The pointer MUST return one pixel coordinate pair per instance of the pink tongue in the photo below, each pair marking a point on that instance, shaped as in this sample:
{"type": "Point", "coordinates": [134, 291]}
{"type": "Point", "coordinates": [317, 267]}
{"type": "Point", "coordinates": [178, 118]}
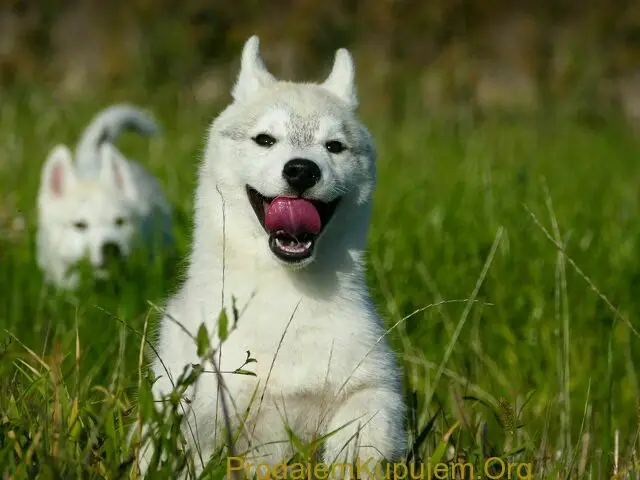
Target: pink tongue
{"type": "Point", "coordinates": [293, 215]}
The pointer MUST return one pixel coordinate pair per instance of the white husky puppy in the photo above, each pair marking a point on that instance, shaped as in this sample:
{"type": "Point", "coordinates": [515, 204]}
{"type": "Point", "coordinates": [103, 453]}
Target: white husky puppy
{"type": "Point", "coordinates": [282, 214]}
{"type": "Point", "coordinates": [95, 207]}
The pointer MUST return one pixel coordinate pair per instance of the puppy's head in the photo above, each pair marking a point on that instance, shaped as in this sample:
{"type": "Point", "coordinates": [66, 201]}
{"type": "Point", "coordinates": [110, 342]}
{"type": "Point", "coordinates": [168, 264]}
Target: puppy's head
{"type": "Point", "coordinates": [86, 218]}
{"type": "Point", "coordinates": [292, 161]}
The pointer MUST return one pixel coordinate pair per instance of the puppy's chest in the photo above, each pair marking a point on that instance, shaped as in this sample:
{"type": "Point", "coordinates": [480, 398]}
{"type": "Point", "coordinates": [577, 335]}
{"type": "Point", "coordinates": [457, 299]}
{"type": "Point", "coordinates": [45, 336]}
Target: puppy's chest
{"type": "Point", "coordinates": [315, 351]}
{"type": "Point", "coordinates": [306, 369]}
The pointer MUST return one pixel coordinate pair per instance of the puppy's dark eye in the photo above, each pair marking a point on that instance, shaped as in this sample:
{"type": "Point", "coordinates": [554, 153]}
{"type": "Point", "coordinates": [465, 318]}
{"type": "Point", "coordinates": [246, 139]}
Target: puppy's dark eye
{"type": "Point", "coordinates": [264, 140]}
{"type": "Point", "coordinates": [119, 221]}
{"type": "Point", "coordinates": [334, 146]}
{"type": "Point", "coordinates": [80, 225]}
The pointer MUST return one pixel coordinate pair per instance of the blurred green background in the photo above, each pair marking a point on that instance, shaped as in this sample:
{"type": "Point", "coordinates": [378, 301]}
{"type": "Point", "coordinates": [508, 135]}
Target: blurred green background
{"type": "Point", "coordinates": [488, 117]}
{"type": "Point", "coordinates": [438, 56]}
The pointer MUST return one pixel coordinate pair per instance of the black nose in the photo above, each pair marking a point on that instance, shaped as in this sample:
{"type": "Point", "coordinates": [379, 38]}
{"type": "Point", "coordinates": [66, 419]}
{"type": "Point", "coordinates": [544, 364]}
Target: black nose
{"type": "Point", "coordinates": [110, 251]}
{"type": "Point", "coordinates": [301, 174]}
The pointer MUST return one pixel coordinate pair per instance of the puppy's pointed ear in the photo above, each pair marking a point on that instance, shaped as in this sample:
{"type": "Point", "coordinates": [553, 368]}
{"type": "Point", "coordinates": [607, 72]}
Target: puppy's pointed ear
{"type": "Point", "coordinates": [341, 80]}
{"type": "Point", "coordinates": [116, 171]}
{"type": "Point", "coordinates": [253, 74]}
{"type": "Point", "coordinates": [58, 175]}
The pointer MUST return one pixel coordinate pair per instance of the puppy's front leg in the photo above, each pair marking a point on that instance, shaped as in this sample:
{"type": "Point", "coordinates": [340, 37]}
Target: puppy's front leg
{"type": "Point", "coordinates": [373, 430]}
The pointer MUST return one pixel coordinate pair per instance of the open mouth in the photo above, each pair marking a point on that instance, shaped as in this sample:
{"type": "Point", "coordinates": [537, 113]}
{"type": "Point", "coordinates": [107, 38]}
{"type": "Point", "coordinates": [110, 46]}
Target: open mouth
{"type": "Point", "coordinates": [293, 223]}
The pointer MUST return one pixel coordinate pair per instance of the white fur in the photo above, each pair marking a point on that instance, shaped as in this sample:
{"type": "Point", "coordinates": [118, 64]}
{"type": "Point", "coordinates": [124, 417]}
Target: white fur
{"type": "Point", "coordinates": [106, 127]}
{"type": "Point", "coordinates": [334, 331]}
{"type": "Point", "coordinates": [102, 198]}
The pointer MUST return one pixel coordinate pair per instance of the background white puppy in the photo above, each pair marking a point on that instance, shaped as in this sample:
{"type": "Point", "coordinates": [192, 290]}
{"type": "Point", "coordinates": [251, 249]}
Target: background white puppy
{"type": "Point", "coordinates": [95, 207]}
{"type": "Point", "coordinates": [282, 215]}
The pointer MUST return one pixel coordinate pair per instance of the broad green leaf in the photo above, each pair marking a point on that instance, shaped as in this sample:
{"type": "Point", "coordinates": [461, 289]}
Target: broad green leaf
{"type": "Point", "coordinates": [223, 325]}
{"type": "Point", "coordinates": [202, 340]}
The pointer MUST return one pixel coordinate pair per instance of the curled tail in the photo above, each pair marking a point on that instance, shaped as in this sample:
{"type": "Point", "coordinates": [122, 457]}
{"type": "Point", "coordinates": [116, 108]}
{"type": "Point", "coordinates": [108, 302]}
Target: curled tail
{"type": "Point", "coordinates": [107, 126]}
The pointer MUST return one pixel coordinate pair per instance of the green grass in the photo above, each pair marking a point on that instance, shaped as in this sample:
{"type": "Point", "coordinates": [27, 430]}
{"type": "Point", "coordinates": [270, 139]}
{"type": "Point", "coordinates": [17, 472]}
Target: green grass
{"type": "Point", "coordinates": [517, 342]}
